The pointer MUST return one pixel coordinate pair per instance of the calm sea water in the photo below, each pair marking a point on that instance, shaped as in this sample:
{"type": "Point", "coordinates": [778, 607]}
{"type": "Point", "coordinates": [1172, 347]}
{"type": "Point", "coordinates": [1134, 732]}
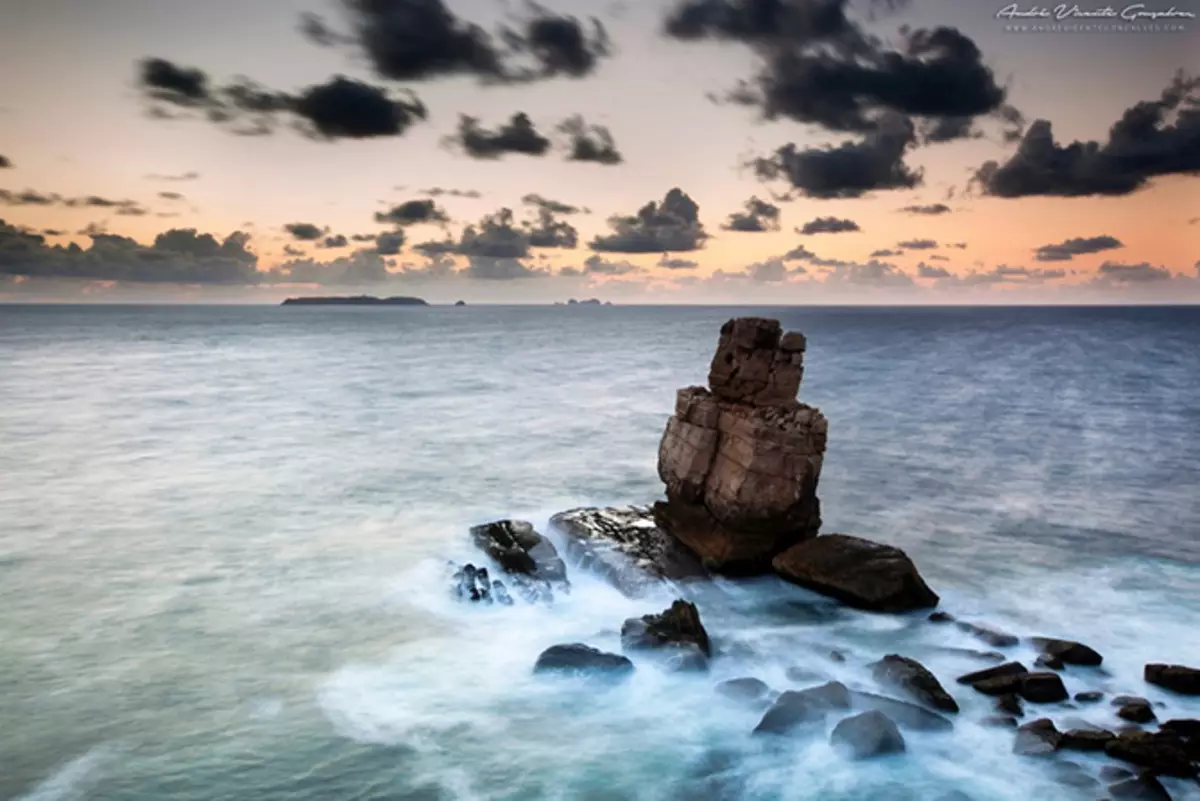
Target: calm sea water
{"type": "Point", "coordinates": [223, 534]}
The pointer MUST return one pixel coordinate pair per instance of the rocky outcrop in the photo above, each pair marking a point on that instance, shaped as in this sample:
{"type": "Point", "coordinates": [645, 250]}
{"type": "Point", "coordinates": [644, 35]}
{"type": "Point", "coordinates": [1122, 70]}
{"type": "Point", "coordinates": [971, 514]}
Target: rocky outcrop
{"type": "Point", "coordinates": [526, 555]}
{"type": "Point", "coordinates": [1176, 678]}
{"type": "Point", "coordinates": [866, 735]}
{"type": "Point", "coordinates": [676, 633]}
{"type": "Point", "coordinates": [741, 459]}
{"type": "Point", "coordinates": [577, 658]}
{"type": "Point", "coordinates": [626, 546]}
{"type": "Point", "coordinates": [857, 572]}
{"type": "Point", "coordinates": [915, 680]}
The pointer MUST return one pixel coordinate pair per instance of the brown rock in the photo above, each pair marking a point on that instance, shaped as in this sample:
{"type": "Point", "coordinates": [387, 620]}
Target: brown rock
{"type": "Point", "coordinates": [914, 679]}
{"type": "Point", "coordinates": [741, 462]}
{"type": "Point", "coordinates": [1010, 703]}
{"type": "Point", "coordinates": [858, 572]}
{"type": "Point", "coordinates": [1161, 752]}
{"type": "Point", "coordinates": [999, 671]}
{"type": "Point", "coordinates": [1142, 788]}
{"type": "Point", "coordinates": [1137, 711]}
{"type": "Point", "coordinates": [1068, 652]}
{"type": "Point", "coordinates": [1089, 697]}
{"type": "Point", "coordinates": [677, 626]}
{"type": "Point", "coordinates": [867, 734]}
{"type": "Point", "coordinates": [1086, 739]}
{"type": "Point", "coordinates": [1176, 678]}
{"type": "Point", "coordinates": [994, 638]}
{"type": "Point", "coordinates": [1042, 688]}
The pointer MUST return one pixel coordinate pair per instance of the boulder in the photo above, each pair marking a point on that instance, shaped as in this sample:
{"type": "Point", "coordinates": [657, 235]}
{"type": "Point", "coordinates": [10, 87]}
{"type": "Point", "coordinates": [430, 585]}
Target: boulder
{"type": "Point", "coordinates": [523, 553]}
{"type": "Point", "coordinates": [1037, 738]}
{"type": "Point", "coordinates": [1042, 688]}
{"type": "Point", "coordinates": [1011, 704]}
{"type": "Point", "coordinates": [675, 627]}
{"type": "Point", "coordinates": [626, 546]}
{"type": "Point", "coordinates": [1008, 669]}
{"type": "Point", "coordinates": [857, 572]}
{"type": "Point", "coordinates": [1086, 739]}
{"type": "Point", "coordinates": [796, 708]}
{"type": "Point", "coordinates": [906, 715]}
{"type": "Point", "coordinates": [1187, 728]}
{"type": "Point", "coordinates": [866, 735]}
{"type": "Point", "coordinates": [1049, 662]}
{"type": "Point", "coordinates": [1067, 652]}
{"type": "Point", "coordinates": [915, 680]}
{"type": "Point", "coordinates": [741, 459]}
{"type": "Point", "coordinates": [578, 658]}
{"type": "Point", "coordinates": [749, 690]}
{"type": "Point", "coordinates": [1089, 697]}
{"type": "Point", "coordinates": [1161, 752]}
{"type": "Point", "coordinates": [1176, 678]}
{"type": "Point", "coordinates": [1137, 710]}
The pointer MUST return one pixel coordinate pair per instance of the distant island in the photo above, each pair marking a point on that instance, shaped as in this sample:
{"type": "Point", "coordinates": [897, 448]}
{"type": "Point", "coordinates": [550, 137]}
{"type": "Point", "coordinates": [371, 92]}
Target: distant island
{"type": "Point", "coordinates": [355, 300]}
{"type": "Point", "coordinates": [588, 302]}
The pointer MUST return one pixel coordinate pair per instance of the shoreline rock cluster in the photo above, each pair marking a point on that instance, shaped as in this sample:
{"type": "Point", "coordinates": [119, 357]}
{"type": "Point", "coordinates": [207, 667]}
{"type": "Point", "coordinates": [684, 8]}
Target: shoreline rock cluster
{"type": "Point", "coordinates": [741, 462]}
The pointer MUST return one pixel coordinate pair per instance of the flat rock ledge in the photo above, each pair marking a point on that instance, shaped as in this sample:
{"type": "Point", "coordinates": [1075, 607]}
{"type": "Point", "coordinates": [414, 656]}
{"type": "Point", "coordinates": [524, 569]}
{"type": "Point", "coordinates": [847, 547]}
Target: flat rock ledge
{"type": "Point", "coordinates": [857, 572]}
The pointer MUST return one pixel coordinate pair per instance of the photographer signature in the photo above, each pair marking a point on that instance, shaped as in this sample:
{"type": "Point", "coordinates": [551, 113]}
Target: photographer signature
{"type": "Point", "coordinates": [1130, 13]}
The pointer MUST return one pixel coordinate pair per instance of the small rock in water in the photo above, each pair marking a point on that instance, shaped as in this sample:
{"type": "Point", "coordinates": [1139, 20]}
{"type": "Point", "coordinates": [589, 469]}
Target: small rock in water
{"type": "Point", "coordinates": [1010, 703]}
{"type": "Point", "coordinates": [1089, 697]}
{"type": "Point", "coordinates": [799, 673]}
{"type": "Point", "coordinates": [940, 617]}
{"type": "Point", "coordinates": [1086, 739]}
{"type": "Point", "coordinates": [581, 658]}
{"type": "Point", "coordinates": [747, 690]}
{"type": "Point", "coordinates": [863, 574]}
{"type": "Point", "coordinates": [906, 715]}
{"type": "Point", "coordinates": [677, 629]}
{"type": "Point", "coordinates": [472, 584]}
{"type": "Point", "coordinates": [1042, 688]}
{"type": "Point", "coordinates": [1141, 788]}
{"type": "Point", "coordinates": [1176, 678]}
{"type": "Point", "coordinates": [1047, 661]}
{"type": "Point", "coordinates": [1137, 710]}
{"type": "Point", "coordinates": [1070, 774]}
{"type": "Point", "coordinates": [1161, 752]}
{"type": "Point", "coordinates": [994, 638]}
{"type": "Point", "coordinates": [795, 708]}
{"type": "Point", "coordinates": [1037, 738]}
{"type": "Point", "coordinates": [1112, 773]}
{"type": "Point", "coordinates": [1067, 652]}
{"type": "Point", "coordinates": [530, 559]}
{"type": "Point", "coordinates": [999, 671]}
{"type": "Point", "coordinates": [1000, 721]}
{"type": "Point", "coordinates": [914, 679]}
{"type": "Point", "coordinates": [868, 734]}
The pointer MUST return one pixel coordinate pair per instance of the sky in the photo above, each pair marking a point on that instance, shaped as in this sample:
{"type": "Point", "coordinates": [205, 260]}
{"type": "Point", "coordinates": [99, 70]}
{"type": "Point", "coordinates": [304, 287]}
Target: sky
{"type": "Point", "coordinates": [664, 151]}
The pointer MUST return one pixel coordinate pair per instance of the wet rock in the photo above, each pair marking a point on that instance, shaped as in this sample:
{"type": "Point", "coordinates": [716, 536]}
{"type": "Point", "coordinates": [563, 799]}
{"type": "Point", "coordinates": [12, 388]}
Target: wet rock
{"type": "Point", "coordinates": [1042, 688]}
{"type": "Point", "coordinates": [1037, 738]}
{"type": "Point", "coordinates": [500, 594]}
{"type": "Point", "coordinates": [837, 656]}
{"type": "Point", "coordinates": [1186, 728]}
{"type": "Point", "coordinates": [940, 617]}
{"type": "Point", "coordinates": [1010, 703]}
{"type": "Point", "coordinates": [915, 680]}
{"type": "Point", "coordinates": [579, 658]}
{"type": "Point", "coordinates": [741, 459]}
{"type": "Point", "coordinates": [686, 658]}
{"type": "Point", "coordinates": [796, 708]}
{"type": "Point", "coordinates": [747, 690]}
{"type": "Point", "coordinates": [1136, 711]}
{"type": "Point", "coordinates": [857, 572]}
{"type": "Point", "coordinates": [1090, 697]}
{"type": "Point", "coordinates": [625, 546]}
{"type": "Point", "coordinates": [527, 556]}
{"type": "Point", "coordinates": [1176, 678]}
{"type": "Point", "coordinates": [993, 637]}
{"type": "Point", "coordinates": [866, 735]}
{"type": "Point", "coordinates": [1086, 739]}
{"type": "Point", "coordinates": [1161, 752]}
{"type": "Point", "coordinates": [1070, 774]}
{"type": "Point", "coordinates": [1050, 662]}
{"type": "Point", "coordinates": [1008, 669]}
{"type": "Point", "coordinates": [1111, 773]}
{"type": "Point", "coordinates": [970, 653]}
{"type": "Point", "coordinates": [1142, 788]}
{"type": "Point", "coordinates": [1000, 722]}
{"type": "Point", "coordinates": [1067, 652]}
{"type": "Point", "coordinates": [679, 625]}
{"type": "Point", "coordinates": [1000, 685]}
{"type": "Point", "coordinates": [906, 715]}
{"type": "Point", "coordinates": [799, 673]}
{"type": "Point", "coordinates": [472, 584]}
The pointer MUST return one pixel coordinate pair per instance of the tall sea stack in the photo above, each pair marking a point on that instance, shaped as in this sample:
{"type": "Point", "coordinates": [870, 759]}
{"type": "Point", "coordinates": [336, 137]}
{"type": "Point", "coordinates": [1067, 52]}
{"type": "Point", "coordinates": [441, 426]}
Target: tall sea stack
{"type": "Point", "coordinates": [741, 458]}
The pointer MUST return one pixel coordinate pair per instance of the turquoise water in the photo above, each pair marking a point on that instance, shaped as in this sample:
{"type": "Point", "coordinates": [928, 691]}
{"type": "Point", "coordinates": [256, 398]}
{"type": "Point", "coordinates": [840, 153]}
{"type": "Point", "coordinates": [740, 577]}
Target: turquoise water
{"type": "Point", "coordinates": [223, 534]}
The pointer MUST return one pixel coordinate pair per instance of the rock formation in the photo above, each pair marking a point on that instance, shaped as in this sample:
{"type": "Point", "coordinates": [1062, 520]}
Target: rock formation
{"type": "Point", "coordinates": [530, 559]}
{"type": "Point", "coordinates": [858, 572]}
{"type": "Point", "coordinates": [741, 459]}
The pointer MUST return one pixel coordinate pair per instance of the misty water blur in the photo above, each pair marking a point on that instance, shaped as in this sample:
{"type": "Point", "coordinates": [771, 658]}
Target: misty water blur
{"type": "Point", "coordinates": [223, 534]}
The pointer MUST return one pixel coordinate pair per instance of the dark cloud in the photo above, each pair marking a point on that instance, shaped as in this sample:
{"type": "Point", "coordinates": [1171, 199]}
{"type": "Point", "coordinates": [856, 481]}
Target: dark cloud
{"type": "Point", "coordinates": [929, 271]}
{"type": "Point", "coordinates": [757, 216]}
{"type": "Point", "coordinates": [598, 265]}
{"type": "Point", "coordinates": [549, 232]}
{"type": "Point", "coordinates": [799, 253]}
{"type": "Point", "coordinates": [589, 142]}
{"type": "Point", "coordinates": [410, 40]}
{"type": "Point", "coordinates": [170, 196]}
{"type": "Point", "coordinates": [931, 209]}
{"type": "Point", "coordinates": [959, 245]}
{"type": "Point", "coordinates": [497, 248]}
{"type": "Point", "coordinates": [290, 250]}
{"type": "Point", "coordinates": [1145, 143]}
{"type": "Point", "coordinates": [5, 163]}
{"type": "Point", "coordinates": [885, 253]}
{"type": "Point", "coordinates": [363, 237]}
{"type": "Point", "coordinates": [316, 30]}
{"type": "Point", "coordinates": [1133, 273]}
{"type": "Point", "coordinates": [438, 191]}
{"type": "Point", "coordinates": [936, 257]}
{"type": "Point", "coordinates": [827, 225]}
{"type": "Point", "coordinates": [53, 232]}
{"type": "Point", "coordinates": [771, 271]}
{"type": "Point", "coordinates": [918, 244]}
{"type": "Point", "coordinates": [335, 241]}
{"type": "Point", "coordinates": [1004, 274]}
{"type": "Point", "coordinates": [179, 256]}
{"type": "Point", "coordinates": [552, 206]}
{"type": "Point", "coordinates": [668, 263]}
{"type": "Point", "coordinates": [30, 197]}
{"type": "Point", "coordinates": [341, 108]}
{"type": "Point", "coordinates": [849, 170]}
{"type": "Point", "coordinates": [389, 244]}
{"type": "Point", "coordinates": [412, 212]}
{"type": "Point", "coordinates": [362, 267]}
{"type": "Point", "coordinates": [518, 135]}
{"type": "Point", "coordinates": [670, 226]}
{"type": "Point", "coordinates": [1079, 246]}
{"type": "Point", "coordinates": [304, 232]}
{"type": "Point", "coordinates": [185, 176]}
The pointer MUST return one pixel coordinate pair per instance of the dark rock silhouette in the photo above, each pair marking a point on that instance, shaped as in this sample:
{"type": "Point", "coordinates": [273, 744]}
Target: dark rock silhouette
{"type": "Point", "coordinates": [867, 734]}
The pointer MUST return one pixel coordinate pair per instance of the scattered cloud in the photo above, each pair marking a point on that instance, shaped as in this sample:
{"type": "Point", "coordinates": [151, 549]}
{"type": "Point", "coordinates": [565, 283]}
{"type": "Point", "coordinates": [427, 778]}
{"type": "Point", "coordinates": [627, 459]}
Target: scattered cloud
{"type": "Point", "coordinates": [518, 135]}
{"type": "Point", "coordinates": [828, 225]}
{"type": "Point", "coordinates": [389, 243]}
{"type": "Point", "coordinates": [931, 209]}
{"type": "Point", "coordinates": [598, 265]}
{"type": "Point", "coordinates": [333, 242]}
{"type": "Point", "coordinates": [757, 216]}
{"type": "Point", "coordinates": [552, 206]}
{"type": "Point", "coordinates": [180, 177]}
{"type": "Point", "coordinates": [672, 225]}
{"type": "Point", "coordinates": [1133, 273]}
{"type": "Point", "coordinates": [290, 250]}
{"type": "Point", "coordinates": [929, 271]}
{"type": "Point", "coordinates": [304, 231]}
{"type": "Point", "coordinates": [438, 191]}
{"type": "Point", "coordinates": [668, 263]}
{"type": "Point", "coordinates": [30, 197]}
{"type": "Point", "coordinates": [918, 244]}
{"type": "Point", "coordinates": [5, 163]}
{"type": "Point", "coordinates": [886, 253]}
{"type": "Point", "coordinates": [589, 142]}
{"type": "Point", "coordinates": [1078, 246]}
{"type": "Point", "coordinates": [172, 196]}
{"type": "Point", "coordinates": [413, 212]}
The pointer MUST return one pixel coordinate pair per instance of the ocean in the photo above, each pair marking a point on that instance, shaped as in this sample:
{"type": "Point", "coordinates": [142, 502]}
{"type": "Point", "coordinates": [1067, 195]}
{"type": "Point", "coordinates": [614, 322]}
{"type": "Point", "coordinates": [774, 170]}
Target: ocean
{"type": "Point", "coordinates": [224, 534]}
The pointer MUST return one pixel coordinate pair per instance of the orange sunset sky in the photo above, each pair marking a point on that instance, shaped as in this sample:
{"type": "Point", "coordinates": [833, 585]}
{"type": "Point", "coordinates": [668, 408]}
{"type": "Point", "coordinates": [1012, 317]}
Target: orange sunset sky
{"type": "Point", "coordinates": [97, 141]}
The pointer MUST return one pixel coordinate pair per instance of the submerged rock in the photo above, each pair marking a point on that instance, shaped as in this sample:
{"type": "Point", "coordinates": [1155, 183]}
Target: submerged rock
{"type": "Point", "coordinates": [993, 637]}
{"type": "Point", "coordinates": [676, 626]}
{"type": "Point", "coordinates": [1141, 788]}
{"type": "Point", "coordinates": [581, 658]}
{"type": "Point", "coordinates": [1008, 669]}
{"type": "Point", "coordinates": [747, 690]}
{"type": "Point", "coordinates": [1067, 652]}
{"type": "Point", "coordinates": [796, 708]}
{"type": "Point", "coordinates": [1089, 697]}
{"type": "Point", "coordinates": [1136, 710]}
{"type": "Point", "coordinates": [1086, 739]}
{"type": "Point", "coordinates": [1037, 738]}
{"type": "Point", "coordinates": [1011, 704]}
{"type": "Point", "coordinates": [1176, 678]}
{"type": "Point", "coordinates": [473, 584]}
{"type": "Point", "coordinates": [906, 715]}
{"type": "Point", "coordinates": [858, 572]}
{"type": "Point", "coordinates": [741, 459]}
{"type": "Point", "coordinates": [626, 546]}
{"type": "Point", "coordinates": [867, 734]}
{"type": "Point", "coordinates": [526, 555]}
{"type": "Point", "coordinates": [915, 680]}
